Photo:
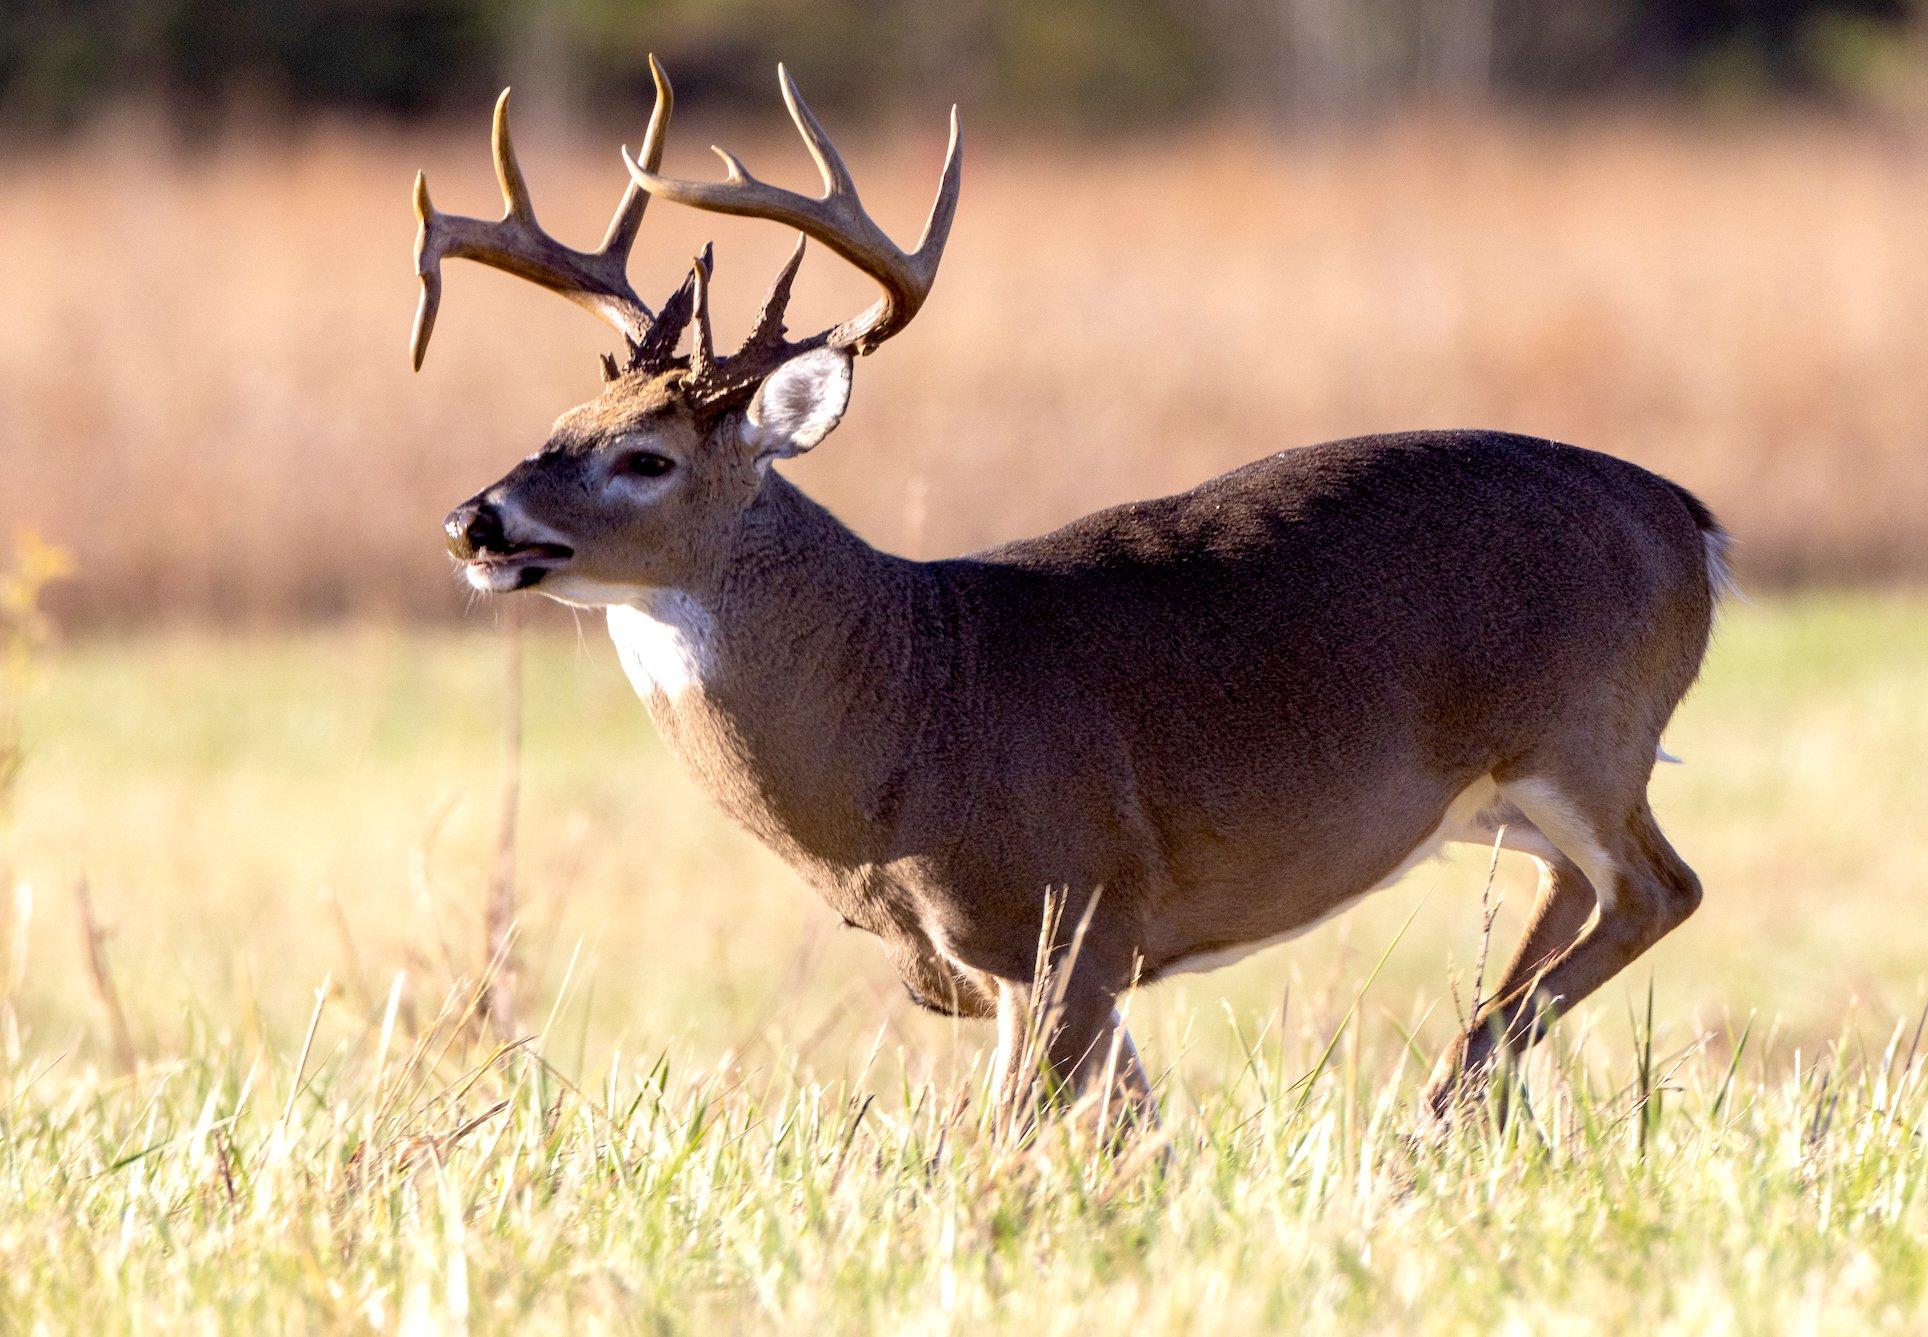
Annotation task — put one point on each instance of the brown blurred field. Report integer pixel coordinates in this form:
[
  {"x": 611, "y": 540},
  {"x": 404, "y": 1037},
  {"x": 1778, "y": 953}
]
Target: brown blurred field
[{"x": 204, "y": 393}]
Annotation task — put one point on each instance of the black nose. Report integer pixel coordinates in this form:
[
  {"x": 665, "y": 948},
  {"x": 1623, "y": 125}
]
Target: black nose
[{"x": 472, "y": 527}]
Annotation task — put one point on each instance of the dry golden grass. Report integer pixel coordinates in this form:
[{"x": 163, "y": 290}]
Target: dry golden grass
[{"x": 203, "y": 389}]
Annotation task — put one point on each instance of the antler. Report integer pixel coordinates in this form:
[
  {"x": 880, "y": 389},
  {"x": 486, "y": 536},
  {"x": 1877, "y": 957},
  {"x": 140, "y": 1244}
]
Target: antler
[
  {"x": 597, "y": 280},
  {"x": 715, "y": 383},
  {"x": 837, "y": 220}
]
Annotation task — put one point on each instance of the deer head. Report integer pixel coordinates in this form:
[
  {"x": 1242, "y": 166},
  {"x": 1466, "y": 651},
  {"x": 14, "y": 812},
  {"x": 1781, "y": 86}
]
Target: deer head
[{"x": 640, "y": 488}]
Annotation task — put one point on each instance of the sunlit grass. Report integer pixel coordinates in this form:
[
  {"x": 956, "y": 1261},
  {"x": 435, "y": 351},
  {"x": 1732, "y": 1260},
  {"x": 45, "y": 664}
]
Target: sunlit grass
[
  {"x": 727, "y": 1115},
  {"x": 402, "y": 1175}
]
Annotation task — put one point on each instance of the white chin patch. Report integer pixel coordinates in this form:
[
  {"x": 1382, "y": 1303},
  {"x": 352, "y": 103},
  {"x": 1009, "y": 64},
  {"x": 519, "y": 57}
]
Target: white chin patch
[
  {"x": 492, "y": 578},
  {"x": 587, "y": 592}
]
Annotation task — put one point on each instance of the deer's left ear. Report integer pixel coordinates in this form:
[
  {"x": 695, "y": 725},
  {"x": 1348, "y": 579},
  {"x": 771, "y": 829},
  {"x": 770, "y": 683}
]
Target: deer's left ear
[{"x": 799, "y": 403}]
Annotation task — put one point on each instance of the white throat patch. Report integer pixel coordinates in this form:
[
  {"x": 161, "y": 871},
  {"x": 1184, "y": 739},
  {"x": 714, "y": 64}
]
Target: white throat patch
[{"x": 664, "y": 640}]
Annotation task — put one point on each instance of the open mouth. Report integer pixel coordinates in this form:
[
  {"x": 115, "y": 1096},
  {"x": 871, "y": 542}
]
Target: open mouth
[{"x": 515, "y": 568}]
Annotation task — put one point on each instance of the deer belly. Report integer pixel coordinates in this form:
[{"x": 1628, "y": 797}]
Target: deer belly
[{"x": 1461, "y": 821}]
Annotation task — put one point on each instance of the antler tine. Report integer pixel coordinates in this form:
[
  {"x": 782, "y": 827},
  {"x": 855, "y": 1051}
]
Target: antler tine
[
  {"x": 429, "y": 269},
  {"x": 830, "y": 163},
  {"x": 657, "y": 349},
  {"x": 768, "y": 330},
  {"x": 837, "y": 219},
  {"x": 629, "y": 214},
  {"x": 515, "y": 243},
  {"x": 516, "y": 203},
  {"x": 703, "y": 365}
]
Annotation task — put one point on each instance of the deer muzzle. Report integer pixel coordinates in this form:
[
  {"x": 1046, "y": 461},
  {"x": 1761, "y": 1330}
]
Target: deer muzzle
[{"x": 494, "y": 561}]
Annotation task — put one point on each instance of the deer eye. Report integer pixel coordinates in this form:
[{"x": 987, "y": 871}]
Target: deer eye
[{"x": 647, "y": 464}]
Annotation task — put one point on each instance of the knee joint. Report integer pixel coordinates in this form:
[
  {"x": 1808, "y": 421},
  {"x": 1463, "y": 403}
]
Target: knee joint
[
  {"x": 1681, "y": 893},
  {"x": 1655, "y": 902}
]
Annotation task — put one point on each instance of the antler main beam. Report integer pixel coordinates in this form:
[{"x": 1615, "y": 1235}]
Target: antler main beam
[
  {"x": 597, "y": 280},
  {"x": 837, "y": 219}
]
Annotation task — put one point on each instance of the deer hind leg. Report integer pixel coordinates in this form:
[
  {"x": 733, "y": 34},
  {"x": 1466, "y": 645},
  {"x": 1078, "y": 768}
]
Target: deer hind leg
[
  {"x": 1566, "y": 902},
  {"x": 1566, "y": 899},
  {"x": 1621, "y": 866}
]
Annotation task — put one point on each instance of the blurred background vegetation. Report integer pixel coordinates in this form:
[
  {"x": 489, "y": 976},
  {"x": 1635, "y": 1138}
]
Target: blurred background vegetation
[
  {"x": 1191, "y": 232},
  {"x": 1086, "y": 63}
]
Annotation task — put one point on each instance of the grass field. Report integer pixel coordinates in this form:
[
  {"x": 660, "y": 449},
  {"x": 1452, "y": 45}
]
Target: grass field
[{"x": 728, "y": 1116}]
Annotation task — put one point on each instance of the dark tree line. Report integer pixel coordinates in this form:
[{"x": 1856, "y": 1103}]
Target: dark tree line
[{"x": 1092, "y": 62}]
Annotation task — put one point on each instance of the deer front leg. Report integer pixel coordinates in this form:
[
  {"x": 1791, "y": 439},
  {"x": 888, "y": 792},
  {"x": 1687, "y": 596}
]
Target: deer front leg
[{"x": 1058, "y": 1050}]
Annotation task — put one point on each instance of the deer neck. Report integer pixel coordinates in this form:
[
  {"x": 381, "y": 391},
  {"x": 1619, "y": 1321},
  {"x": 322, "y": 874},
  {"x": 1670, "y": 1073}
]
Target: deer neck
[{"x": 793, "y": 684}]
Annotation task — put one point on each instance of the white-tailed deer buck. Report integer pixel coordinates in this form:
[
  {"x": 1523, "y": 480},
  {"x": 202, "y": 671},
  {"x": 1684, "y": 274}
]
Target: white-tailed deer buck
[{"x": 1195, "y": 725}]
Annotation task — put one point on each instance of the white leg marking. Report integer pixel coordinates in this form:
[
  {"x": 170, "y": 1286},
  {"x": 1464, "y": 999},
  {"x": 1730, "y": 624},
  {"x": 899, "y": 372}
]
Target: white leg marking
[{"x": 1571, "y": 834}]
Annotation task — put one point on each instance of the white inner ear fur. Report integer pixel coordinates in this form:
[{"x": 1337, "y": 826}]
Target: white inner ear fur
[{"x": 798, "y": 403}]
